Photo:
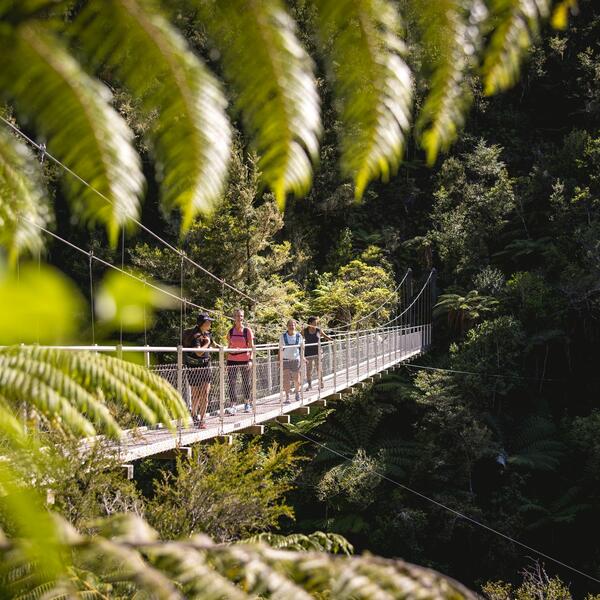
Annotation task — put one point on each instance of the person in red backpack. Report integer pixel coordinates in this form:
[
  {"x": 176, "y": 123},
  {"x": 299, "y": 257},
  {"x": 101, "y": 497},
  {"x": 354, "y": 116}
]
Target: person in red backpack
[{"x": 239, "y": 362}]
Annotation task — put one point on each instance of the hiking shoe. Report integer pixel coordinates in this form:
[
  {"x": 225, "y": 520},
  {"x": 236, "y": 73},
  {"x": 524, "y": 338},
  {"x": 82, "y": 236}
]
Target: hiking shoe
[
  {"x": 309, "y": 387},
  {"x": 297, "y": 397},
  {"x": 246, "y": 408},
  {"x": 287, "y": 400}
]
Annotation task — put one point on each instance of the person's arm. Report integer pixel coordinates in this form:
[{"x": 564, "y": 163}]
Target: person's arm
[
  {"x": 250, "y": 344},
  {"x": 201, "y": 342},
  {"x": 326, "y": 337}
]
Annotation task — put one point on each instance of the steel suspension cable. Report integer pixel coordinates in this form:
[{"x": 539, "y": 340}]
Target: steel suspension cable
[
  {"x": 411, "y": 304},
  {"x": 115, "y": 268},
  {"x": 458, "y": 513},
  {"x": 42, "y": 149}
]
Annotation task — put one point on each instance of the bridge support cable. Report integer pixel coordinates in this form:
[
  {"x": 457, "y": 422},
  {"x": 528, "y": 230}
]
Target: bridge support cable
[{"x": 43, "y": 153}]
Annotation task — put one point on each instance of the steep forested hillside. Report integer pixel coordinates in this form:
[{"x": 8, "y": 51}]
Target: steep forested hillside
[{"x": 511, "y": 220}]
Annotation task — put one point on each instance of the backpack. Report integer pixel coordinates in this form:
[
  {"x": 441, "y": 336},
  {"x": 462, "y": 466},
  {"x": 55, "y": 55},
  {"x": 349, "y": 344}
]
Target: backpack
[
  {"x": 188, "y": 339},
  {"x": 286, "y": 336},
  {"x": 245, "y": 333}
]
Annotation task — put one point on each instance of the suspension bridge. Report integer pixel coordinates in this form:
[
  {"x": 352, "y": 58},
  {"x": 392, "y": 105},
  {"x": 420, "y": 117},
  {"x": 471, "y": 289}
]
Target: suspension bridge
[
  {"x": 351, "y": 356},
  {"x": 243, "y": 404}
]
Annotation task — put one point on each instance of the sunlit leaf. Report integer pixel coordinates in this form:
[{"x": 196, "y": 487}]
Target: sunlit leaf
[
  {"x": 38, "y": 305},
  {"x": 362, "y": 44},
  {"x": 189, "y": 132},
  {"x": 275, "y": 89},
  {"x": 130, "y": 303}
]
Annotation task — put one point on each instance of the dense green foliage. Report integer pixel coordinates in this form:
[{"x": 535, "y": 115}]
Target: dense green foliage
[{"x": 506, "y": 431}]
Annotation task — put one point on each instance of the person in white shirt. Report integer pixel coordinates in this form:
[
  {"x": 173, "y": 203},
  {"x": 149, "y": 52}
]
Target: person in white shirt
[{"x": 291, "y": 341}]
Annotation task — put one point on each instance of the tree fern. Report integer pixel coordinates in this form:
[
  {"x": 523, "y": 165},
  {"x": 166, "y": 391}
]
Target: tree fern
[
  {"x": 534, "y": 445},
  {"x": 23, "y": 204},
  {"x": 451, "y": 35},
  {"x": 125, "y": 552},
  {"x": 516, "y": 24},
  {"x": 274, "y": 86},
  {"x": 362, "y": 45},
  {"x": 66, "y": 385},
  {"x": 72, "y": 112},
  {"x": 190, "y": 132}
]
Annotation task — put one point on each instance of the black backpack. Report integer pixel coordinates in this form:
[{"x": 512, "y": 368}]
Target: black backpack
[{"x": 188, "y": 339}]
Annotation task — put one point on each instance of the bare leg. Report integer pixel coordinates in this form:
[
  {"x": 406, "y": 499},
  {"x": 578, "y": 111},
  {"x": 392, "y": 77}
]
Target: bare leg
[
  {"x": 286, "y": 381},
  {"x": 309, "y": 369},
  {"x": 196, "y": 397},
  {"x": 203, "y": 405}
]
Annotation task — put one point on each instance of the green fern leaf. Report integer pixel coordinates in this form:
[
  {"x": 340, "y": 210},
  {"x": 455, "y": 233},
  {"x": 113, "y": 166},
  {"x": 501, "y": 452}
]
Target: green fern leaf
[
  {"x": 517, "y": 26},
  {"x": 274, "y": 84},
  {"x": 72, "y": 112},
  {"x": 23, "y": 203},
  {"x": 452, "y": 35},
  {"x": 190, "y": 132},
  {"x": 361, "y": 40}
]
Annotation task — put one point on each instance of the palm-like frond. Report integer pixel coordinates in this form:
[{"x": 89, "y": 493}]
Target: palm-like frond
[
  {"x": 23, "y": 204},
  {"x": 534, "y": 445},
  {"x": 73, "y": 113},
  {"x": 190, "y": 132},
  {"x": 66, "y": 384},
  {"x": 274, "y": 86},
  {"x": 516, "y": 24},
  {"x": 125, "y": 553},
  {"x": 452, "y": 35},
  {"x": 362, "y": 43},
  {"x": 316, "y": 542}
]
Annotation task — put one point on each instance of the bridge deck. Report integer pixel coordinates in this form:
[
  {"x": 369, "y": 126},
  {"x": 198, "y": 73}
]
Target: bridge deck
[{"x": 145, "y": 442}]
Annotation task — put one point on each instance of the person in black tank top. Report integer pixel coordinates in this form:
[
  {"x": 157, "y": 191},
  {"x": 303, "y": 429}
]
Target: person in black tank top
[
  {"x": 197, "y": 364},
  {"x": 312, "y": 334}
]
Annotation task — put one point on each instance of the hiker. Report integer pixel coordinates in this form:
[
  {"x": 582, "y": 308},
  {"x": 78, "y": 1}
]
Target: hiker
[
  {"x": 291, "y": 357},
  {"x": 239, "y": 364},
  {"x": 198, "y": 372},
  {"x": 312, "y": 336}
]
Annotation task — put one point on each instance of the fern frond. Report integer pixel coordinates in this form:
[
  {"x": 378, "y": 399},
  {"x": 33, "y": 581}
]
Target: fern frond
[
  {"x": 142, "y": 392},
  {"x": 42, "y": 380},
  {"x": 517, "y": 23},
  {"x": 316, "y": 542},
  {"x": 67, "y": 385},
  {"x": 23, "y": 203},
  {"x": 452, "y": 35},
  {"x": 373, "y": 84},
  {"x": 73, "y": 113},
  {"x": 275, "y": 88},
  {"x": 190, "y": 132}
]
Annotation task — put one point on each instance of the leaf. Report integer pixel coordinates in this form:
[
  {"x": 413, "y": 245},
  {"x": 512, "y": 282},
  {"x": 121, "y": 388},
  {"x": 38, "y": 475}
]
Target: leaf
[
  {"x": 38, "y": 304},
  {"x": 275, "y": 88},
  {"x": 190, "y": 131},
  {"x": 23, "y": 202},
  {"x": 122, "y": 300},
  {"x": 73, "y": 113},
  {"x": 517, "y": 24},
  {"x": 66, "y": 384},
  {"x": 362, "y": 44},
  {"x": 452, "y": 35},
  {"x": 560, "y": 15}
]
